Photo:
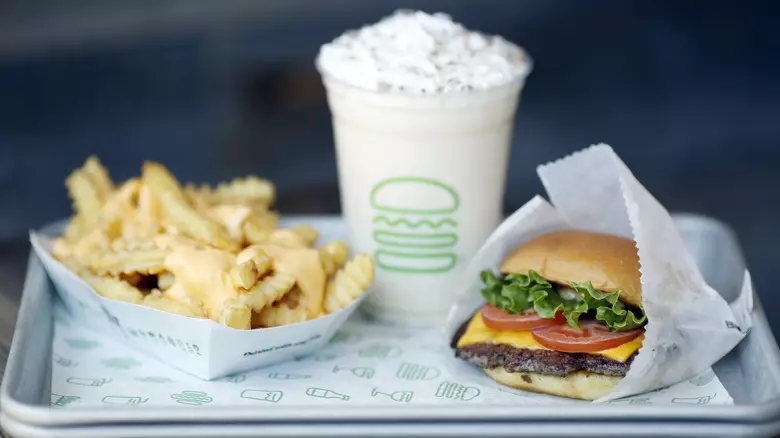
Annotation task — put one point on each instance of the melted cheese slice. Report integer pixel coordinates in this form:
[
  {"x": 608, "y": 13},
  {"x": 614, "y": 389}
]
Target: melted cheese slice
[{"x": 478, "y": 333}]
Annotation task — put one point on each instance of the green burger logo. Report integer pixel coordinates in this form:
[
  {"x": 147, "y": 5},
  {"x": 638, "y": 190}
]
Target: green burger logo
[{"x": 414, "y": 226}]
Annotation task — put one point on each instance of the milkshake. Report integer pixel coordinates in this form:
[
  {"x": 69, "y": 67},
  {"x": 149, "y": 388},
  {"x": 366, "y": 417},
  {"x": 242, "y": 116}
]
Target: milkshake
[{"x": 423, "y": 113}]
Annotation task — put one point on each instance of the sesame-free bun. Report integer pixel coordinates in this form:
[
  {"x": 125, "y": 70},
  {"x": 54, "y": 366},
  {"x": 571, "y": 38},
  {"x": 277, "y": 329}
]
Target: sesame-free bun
[
  {"x": 608, "y": 262},
  {"x": 581, "y": 385}
]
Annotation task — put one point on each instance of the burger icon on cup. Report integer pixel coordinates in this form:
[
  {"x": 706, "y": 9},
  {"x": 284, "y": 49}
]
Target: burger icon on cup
[{"x": 414, "y": 225}]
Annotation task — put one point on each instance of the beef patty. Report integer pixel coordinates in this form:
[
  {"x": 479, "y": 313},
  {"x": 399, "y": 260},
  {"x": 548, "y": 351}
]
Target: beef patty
[{"x": 517, "y": 360}]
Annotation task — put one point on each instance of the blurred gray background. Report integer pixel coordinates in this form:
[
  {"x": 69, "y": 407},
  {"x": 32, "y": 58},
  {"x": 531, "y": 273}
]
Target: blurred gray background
[{"x": 685, "y": 91}]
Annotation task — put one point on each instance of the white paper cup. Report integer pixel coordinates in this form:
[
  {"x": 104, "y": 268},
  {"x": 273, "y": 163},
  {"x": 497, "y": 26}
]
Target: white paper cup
[{"x": 422, "y": 181}]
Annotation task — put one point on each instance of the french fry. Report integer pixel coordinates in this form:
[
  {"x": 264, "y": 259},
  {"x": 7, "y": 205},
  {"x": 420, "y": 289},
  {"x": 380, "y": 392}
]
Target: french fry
[
  {"x": 129, "y": 257},
  {"x": 249, "y": 190},
  {"x": 271, "y": 289},
  {"x": 96, "y": 241},
  {"x": 232, "y": 217},
  {"x": 302, "y": 263},
  {"x": 307, "y": 233},
  {"x": 98, "y": 174},
  {"x": 140, "y": 230},
  {"x": 161, "y": 301},
  {"x": 119, "y": 205},
  {"x": 114, "y": 288},
  {"x": 148, "y": 207},
  {"x": 85, "y": 196},
  {"x": 177, "y": 292},
  {"x": 257, "y": 228},
  {"x": 236, "y": 314},
  {"x": 245, "y": 275},
  {"x": 333, "y": 256},
  {"x": 178, "y": 213},
  {"x": 349, "y": 283},
  {"x": 199, "y": 198},
  {"x": 75, "y": 230},
  {"x": 263, "y": 262},
  {"x": 142, "y": 261},
  {"x": 263, "y": 218},
  {"x": 62, "y": 250},
  {"x": 279, "y": 314},
  {"x": 286, "y": 237},
  {"x": 253, "y": 234},
  {"x": 289, "y": 238}
]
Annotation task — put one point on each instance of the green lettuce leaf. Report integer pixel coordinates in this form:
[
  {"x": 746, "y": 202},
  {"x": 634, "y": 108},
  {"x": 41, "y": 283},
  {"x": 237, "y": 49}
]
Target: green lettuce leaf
[
  {"x": 515, "y": 293},
  {"x": 609, "y": 308}
]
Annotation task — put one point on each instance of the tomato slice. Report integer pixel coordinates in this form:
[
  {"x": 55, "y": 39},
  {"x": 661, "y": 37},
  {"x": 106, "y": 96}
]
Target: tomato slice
[
  {"x": 498, "y": 319},
  {"x": 592, "y": 336}
]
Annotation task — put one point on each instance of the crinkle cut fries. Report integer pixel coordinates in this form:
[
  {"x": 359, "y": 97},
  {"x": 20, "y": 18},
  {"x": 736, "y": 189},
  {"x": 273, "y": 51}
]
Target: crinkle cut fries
[{"x": 203, "y": 252}]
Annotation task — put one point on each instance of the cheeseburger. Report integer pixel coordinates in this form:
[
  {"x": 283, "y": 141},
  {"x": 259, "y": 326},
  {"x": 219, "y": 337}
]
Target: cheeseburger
[{"x": 563, "y": 316}]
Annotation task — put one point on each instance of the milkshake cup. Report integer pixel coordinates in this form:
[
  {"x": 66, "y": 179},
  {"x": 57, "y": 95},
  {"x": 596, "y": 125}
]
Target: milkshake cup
[{"x": 422, "y": 169}]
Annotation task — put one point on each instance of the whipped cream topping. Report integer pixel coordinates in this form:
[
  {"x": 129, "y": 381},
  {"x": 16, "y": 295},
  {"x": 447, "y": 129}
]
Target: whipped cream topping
[{"x": 416, "y": 52}]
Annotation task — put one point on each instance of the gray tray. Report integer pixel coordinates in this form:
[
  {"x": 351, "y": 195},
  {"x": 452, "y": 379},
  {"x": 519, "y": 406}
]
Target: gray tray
[{"x": 751, "y": 373}]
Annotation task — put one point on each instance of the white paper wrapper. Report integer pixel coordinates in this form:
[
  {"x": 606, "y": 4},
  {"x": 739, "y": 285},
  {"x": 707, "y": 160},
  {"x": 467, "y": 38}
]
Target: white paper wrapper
[
  {"x": 690, "y": 326},
  {"x": 200, "y": 347}
]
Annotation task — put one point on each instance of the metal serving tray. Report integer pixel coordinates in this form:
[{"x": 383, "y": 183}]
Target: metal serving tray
[{"x": 751, "y": 373}]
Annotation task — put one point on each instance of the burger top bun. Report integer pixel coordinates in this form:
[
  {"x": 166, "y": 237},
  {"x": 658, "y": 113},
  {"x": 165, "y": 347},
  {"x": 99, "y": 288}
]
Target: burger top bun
[{"x": 609, "y": 262}]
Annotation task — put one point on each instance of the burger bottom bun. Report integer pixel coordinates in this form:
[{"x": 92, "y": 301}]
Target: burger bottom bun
[{"x": 581, "y": 385}]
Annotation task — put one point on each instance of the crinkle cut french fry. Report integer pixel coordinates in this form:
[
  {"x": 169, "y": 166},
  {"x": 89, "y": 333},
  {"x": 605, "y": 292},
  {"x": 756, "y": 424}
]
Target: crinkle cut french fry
[
  {"x": 143, "y": 261},
  {"x": 269, "y": 290},
  {"x": 98, "y": 174},
  {"x": 257, "y": 228},
  {"x": 286, "y": 237},
  {"x": 263, "y": 218},
  {"x": 199, "y": 198},
  {"x": 236, "y": 314},
  {"x": 148, "y": 208},
  {"x": 333, "y": 256},
  {"x": 97, "y": 241},
  {"x": 114, "y": 288},
  {"x": 253, "y": 234},
  {"x": 179, "y": 213},
  {"x": 307, "y": 233},
  {"x": 230, "y": 216},
  {"x": 62, "y": 250},
  {"x": 76, "y": 229},
  {"x": 119, "y": 204},
  {"x": 349, "y": 283},
  {"x": 161, "y": 301},
  {"x": 140, "y": 230},
  {"x": 245, "y": 275},
  {"x": 279, "y": 314},
  {"x": 86, "y": 198},
  {"x": 263, "y": 262},
  {"x": 250, "y": 189}
]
